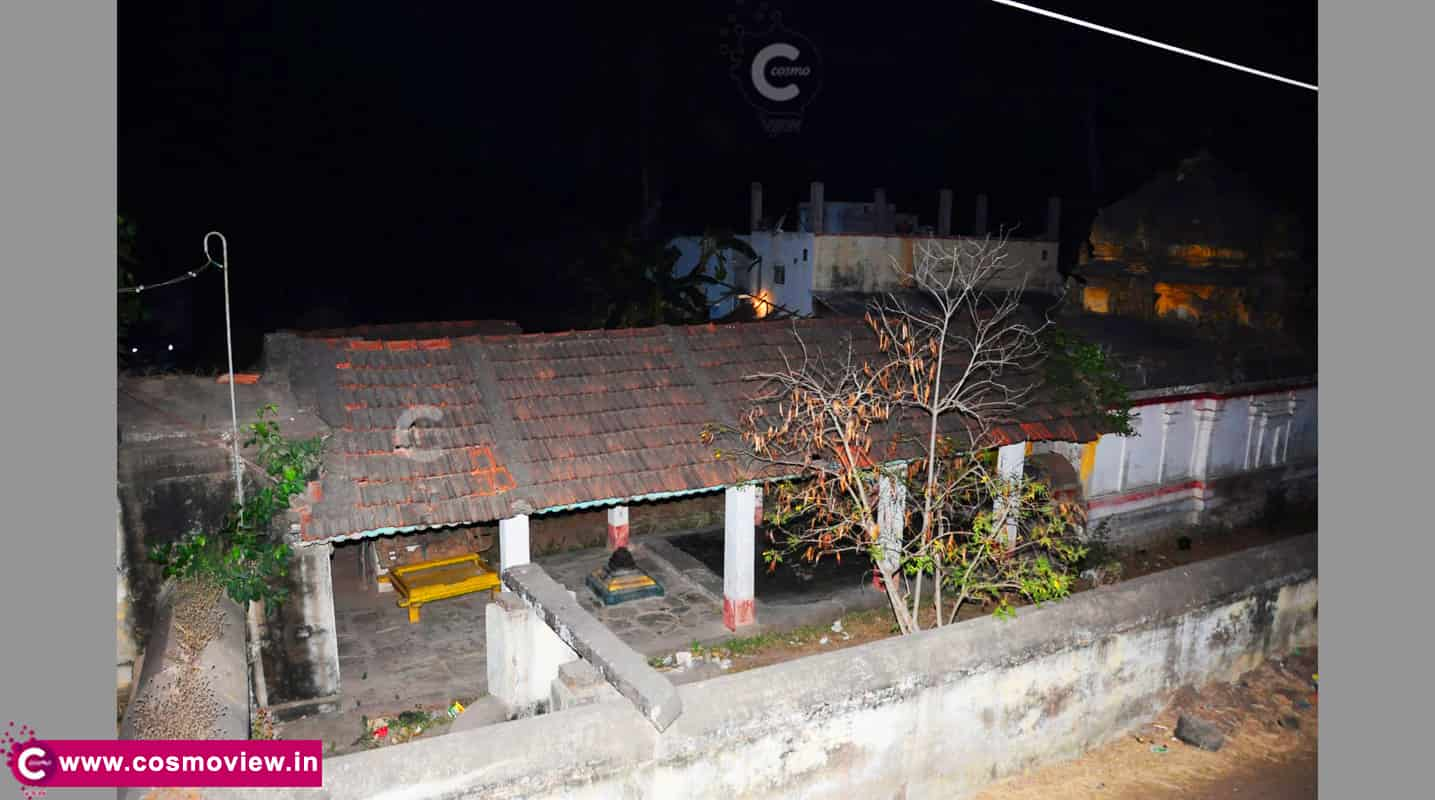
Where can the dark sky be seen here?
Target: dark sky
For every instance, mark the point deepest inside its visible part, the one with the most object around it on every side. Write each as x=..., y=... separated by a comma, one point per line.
x=376, y=162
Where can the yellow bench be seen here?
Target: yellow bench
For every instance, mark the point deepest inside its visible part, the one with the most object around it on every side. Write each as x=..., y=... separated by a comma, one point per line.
x=441, y=579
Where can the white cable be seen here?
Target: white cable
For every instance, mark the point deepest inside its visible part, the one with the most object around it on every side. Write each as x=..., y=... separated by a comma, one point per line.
x=1143, y=40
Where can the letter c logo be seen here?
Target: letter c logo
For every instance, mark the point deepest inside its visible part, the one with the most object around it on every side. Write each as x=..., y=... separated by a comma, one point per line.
x=403, y=432
x=777, y=94
x=22, y=763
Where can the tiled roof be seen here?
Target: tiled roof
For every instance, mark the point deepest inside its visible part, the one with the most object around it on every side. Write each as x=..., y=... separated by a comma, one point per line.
x=523, y=423
x=416, y=330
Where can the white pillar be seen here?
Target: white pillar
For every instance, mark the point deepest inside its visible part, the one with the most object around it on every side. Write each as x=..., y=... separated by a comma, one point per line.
x=1263, y=422
x=1252, y=414
x=1206, y=411
x=512, y=541
x=891, y=516
x=1291, y=407
x=1010, y=460
x=1168, y=417
x=739, y=557
x=617, y=527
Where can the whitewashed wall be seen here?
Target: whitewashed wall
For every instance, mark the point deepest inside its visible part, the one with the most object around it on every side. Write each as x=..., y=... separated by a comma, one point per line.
x=796, y=252
x=1187, y=454
x=865, y=263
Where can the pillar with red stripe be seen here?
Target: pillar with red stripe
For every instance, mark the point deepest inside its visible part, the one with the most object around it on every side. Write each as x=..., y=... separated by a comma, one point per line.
x=617, y=527
x=740, y=514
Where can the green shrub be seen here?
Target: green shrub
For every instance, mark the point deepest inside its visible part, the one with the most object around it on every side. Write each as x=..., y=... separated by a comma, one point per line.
x=244, y=556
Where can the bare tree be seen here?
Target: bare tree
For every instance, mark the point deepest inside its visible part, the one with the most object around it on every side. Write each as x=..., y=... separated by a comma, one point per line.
x=914, y=413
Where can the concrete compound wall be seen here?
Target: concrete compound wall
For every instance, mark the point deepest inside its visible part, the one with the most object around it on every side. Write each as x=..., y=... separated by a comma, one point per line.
x=1200, y=456
x=854, y=263
x=175, y=476
x=167, y=487
x=865, y=263
x=933, y=715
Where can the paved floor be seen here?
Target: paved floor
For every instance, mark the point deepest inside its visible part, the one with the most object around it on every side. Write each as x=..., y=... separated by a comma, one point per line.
x=388, y=665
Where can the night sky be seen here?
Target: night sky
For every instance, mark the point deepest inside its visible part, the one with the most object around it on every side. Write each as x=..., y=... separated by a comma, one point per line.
x=382, y=162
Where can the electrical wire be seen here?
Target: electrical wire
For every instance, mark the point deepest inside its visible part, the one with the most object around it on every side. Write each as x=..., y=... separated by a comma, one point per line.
x=228, y=344
x=1152, y=42
x=194, y=273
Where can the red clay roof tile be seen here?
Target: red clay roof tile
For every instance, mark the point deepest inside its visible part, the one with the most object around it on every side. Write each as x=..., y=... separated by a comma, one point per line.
x=591, y=415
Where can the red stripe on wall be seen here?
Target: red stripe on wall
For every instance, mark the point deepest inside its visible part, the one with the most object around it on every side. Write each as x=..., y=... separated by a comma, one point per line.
x=1143, y=494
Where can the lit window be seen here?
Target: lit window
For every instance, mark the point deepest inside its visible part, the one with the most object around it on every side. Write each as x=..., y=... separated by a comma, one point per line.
x=1182, y=301
x=1096, y=299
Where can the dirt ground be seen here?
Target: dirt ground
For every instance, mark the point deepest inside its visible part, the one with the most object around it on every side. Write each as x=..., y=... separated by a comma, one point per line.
x=1269, y=717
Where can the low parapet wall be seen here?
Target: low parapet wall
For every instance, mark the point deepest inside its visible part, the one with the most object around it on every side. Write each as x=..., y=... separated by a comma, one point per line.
x=937, y=714
x=194, y=683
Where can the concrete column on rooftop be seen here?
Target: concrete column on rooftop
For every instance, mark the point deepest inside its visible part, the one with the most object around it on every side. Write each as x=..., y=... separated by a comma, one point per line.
x=879, y=203
x=756, y=208
x=739, y=557
x=513, y=541
x=819, y=211
x=979, y=225
x=891, y=517
x=617, y=527
x=944, y=213
x=1053, y=219
x=1010, y=461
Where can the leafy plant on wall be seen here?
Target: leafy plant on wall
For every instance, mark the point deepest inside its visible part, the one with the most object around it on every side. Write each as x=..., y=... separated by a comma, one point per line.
x=244, y=556
x=634, y=282
x=1082, y=373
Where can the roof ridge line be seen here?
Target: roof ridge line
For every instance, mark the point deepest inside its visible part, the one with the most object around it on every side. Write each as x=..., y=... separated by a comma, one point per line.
x=501, y=420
